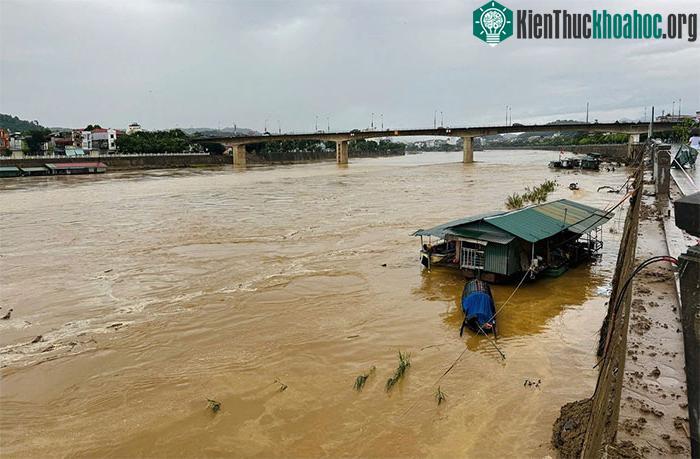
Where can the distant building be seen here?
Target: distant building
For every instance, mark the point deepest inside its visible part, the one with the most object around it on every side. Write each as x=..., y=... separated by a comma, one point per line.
x=4, y=139
x=133, y=127
x=16, y=141
x=104, y=139
x=676, y=118
x=86, y=140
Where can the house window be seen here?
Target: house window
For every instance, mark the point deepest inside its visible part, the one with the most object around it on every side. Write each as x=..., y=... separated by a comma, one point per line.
x=472, y=258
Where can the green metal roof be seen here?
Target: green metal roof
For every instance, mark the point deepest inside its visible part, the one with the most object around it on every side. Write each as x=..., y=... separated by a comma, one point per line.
x=440, y=230
x=539, y=222
x=9, y=169
x=482, y=231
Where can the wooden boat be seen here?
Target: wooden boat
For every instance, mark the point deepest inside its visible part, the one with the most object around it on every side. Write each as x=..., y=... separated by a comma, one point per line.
x=437, y=254
x=478, y=307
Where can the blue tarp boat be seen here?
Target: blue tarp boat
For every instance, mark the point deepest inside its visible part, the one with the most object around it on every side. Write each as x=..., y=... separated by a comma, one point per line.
x=478, y=307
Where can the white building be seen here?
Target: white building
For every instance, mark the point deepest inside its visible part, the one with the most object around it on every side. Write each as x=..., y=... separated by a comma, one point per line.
x=104, y=139
x=86, y=140
x=133, y=127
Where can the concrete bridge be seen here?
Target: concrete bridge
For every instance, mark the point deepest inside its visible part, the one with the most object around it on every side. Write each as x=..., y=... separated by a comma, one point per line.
x=341, y=139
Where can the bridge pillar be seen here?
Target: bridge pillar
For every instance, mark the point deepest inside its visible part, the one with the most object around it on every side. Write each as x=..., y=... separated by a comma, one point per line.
x=341, y=151
x=468, y=150
x=238, y=155
x=631, y=140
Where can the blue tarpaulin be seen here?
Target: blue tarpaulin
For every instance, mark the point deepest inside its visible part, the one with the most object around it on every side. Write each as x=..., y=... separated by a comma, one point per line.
x=478, y=305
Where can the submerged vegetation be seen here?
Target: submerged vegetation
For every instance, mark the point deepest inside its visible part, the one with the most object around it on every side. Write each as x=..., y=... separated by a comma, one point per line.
x=362, y=379
x=536, y=195
x=404, y=364
x=213, y=405
x=440, y=396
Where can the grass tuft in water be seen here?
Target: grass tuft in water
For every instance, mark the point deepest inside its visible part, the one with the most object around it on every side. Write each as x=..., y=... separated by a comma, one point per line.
x=214, y=405
x=514, y=201
x=404, y=363
x=362, y=379
x=440, y=396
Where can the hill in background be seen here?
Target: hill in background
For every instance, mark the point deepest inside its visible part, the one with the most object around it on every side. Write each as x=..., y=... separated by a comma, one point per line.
x=14, y=124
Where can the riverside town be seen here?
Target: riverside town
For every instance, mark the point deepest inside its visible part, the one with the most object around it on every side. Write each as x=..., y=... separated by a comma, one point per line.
x=328, y=229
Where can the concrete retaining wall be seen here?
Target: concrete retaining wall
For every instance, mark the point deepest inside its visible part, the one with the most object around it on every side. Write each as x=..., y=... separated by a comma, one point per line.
x=128, y=161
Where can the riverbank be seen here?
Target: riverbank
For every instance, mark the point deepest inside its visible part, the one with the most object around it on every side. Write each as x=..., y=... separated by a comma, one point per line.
x=640, y=404
x=176, y=161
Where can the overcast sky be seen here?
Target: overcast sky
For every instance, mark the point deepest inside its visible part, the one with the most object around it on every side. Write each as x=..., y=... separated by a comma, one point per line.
x=214, y=63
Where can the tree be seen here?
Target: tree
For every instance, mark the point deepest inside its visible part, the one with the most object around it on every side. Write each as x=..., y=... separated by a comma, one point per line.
x=35, y=139
x=681, y=132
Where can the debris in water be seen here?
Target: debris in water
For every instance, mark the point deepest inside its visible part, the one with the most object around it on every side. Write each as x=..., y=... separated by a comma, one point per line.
x=7, y=316
x=404, y=363
x=440, y=396
x=108, y=270
x=214, y=405
x=362, y=379
x=39, y=338
x=283, y=386
x=532, y=383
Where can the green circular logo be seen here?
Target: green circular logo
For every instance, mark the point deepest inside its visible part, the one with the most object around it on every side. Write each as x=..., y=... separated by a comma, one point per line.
x=493, y=23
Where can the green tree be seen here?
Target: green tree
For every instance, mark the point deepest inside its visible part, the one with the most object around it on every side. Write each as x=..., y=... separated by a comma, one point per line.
x=681, y=132
x=35, y=139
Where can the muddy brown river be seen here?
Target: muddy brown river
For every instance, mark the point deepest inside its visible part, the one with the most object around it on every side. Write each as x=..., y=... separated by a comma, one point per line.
x=155, y=291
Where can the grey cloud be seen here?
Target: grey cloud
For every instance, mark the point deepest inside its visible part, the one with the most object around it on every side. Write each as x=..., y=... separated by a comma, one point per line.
x=210, y=63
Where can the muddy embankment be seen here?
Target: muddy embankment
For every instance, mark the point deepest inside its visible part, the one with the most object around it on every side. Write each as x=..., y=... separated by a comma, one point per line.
x=640, y=404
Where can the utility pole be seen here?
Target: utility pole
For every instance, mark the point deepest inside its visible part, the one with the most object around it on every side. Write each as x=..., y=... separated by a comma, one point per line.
x=381, y=115
x=586, y=112
x=265, y=125
x=679, y=106
x=371, y=125
x=316, y=130
x=506, y=115
x=279, y=127
x=328, y=124
x=645, y=114
x=510, y=115
x=435, y=119
x=673, y=108
x=442, y=119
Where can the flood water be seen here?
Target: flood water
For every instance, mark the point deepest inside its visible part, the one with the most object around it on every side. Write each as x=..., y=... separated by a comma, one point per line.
x=155, y=291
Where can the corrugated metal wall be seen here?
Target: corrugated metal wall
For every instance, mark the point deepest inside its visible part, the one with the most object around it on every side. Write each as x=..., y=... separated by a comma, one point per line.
x=501, y=259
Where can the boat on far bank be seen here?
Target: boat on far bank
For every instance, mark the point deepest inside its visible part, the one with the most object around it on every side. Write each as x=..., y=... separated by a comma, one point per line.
x=589, y=162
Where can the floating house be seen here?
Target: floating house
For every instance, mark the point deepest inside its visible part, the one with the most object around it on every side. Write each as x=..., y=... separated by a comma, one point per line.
x=544, y=239
x=76, y=168
x=9, y=171
x=28, y=171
